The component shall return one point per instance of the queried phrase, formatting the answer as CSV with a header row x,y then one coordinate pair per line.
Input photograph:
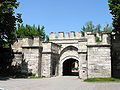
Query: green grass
x,y
102,80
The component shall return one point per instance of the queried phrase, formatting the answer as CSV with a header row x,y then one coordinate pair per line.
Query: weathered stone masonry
x,y
47,58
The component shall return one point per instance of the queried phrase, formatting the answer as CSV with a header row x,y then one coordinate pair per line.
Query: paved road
x,y
56,83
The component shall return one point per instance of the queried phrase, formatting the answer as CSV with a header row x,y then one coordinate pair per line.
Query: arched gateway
x,y
69,61
70,67
66,55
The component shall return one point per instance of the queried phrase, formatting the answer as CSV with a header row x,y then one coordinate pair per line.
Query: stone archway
x,y
71,67
68,55
61,64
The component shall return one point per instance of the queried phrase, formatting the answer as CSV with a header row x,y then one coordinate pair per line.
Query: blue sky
x,y
64,15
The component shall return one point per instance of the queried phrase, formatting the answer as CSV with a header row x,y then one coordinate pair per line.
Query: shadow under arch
x,y
71,67
68,58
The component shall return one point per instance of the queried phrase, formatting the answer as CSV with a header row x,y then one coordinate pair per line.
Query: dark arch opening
x,y
71,67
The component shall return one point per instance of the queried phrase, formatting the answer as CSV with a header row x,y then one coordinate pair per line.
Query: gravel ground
x,y
57,83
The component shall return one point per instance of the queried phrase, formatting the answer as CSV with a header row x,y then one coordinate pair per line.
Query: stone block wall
x,y
18,58
99,61
46,64
54,64
83,65
33,59
50,58
99,56
94,57
28,54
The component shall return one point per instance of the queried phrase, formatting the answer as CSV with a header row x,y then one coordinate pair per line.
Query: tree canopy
x,y
8,21
31,31
89,26
114,6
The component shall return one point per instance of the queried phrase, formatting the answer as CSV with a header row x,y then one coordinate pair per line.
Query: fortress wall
x,y
54,64
46,65
83,65
95,57
32,59
32,51
17,60
99,56
50,58
82,53
99,61
17,46
27,52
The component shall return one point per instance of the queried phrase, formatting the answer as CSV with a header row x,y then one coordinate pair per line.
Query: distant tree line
x,y
90,27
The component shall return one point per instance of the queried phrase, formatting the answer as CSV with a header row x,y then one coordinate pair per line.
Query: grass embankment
x,y
102,80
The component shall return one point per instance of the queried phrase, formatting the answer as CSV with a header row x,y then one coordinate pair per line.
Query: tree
x,y
107,29
31,31
8,21
90,27
114,6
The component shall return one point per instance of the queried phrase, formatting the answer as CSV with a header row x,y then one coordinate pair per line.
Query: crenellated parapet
x,y
52,35
67,35
104,39
26,42
32,42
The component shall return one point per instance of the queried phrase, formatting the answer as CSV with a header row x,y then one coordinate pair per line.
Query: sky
x,y
64,15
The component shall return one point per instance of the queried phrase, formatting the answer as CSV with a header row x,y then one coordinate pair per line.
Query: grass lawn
x,y
102,80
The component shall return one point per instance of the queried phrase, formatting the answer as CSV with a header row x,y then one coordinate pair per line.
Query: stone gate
x,y
72,54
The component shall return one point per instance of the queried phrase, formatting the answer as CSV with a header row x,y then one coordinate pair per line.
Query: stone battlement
x,y
104,38
91,38
67,35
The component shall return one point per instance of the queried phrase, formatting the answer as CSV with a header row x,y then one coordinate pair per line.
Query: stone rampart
x,y
99,56
29,56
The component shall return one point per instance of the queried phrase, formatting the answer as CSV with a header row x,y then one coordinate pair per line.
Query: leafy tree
x,y
8,21
98,28
114,6
107,29
89,26
31,31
